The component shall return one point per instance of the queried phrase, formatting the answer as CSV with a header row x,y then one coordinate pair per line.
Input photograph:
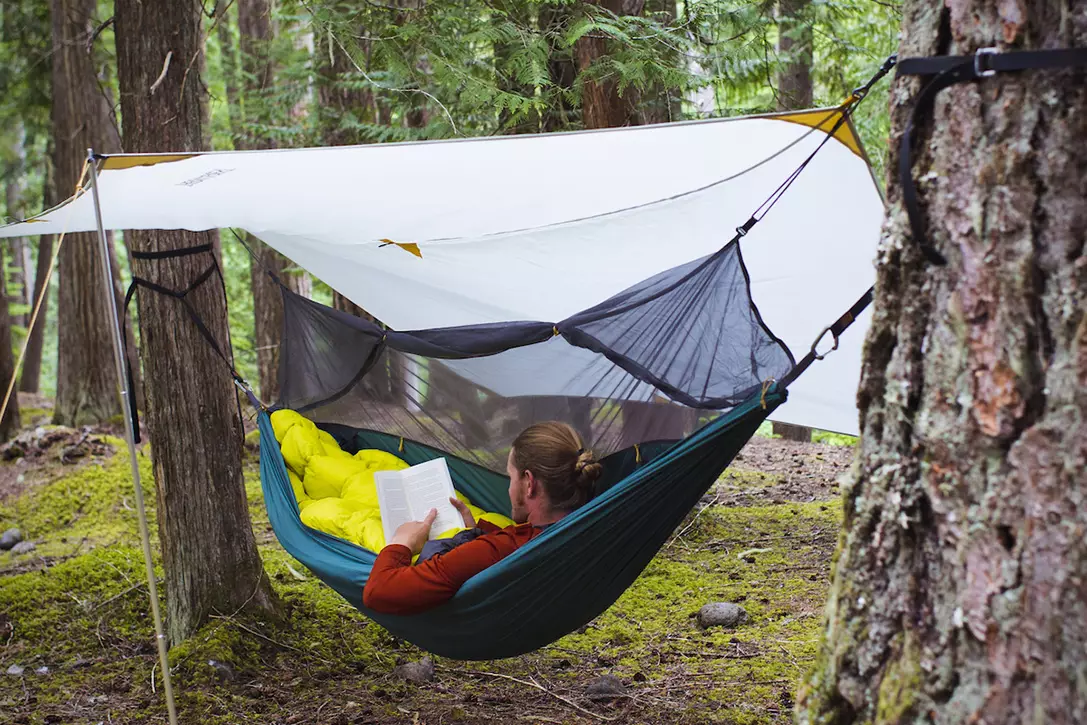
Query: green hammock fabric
x,y
556,583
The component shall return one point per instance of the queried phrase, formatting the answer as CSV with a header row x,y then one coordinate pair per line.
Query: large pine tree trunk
x,y
82,118
209,553
960,592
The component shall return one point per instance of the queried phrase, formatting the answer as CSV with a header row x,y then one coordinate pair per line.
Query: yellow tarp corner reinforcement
x,y
824,119
116,163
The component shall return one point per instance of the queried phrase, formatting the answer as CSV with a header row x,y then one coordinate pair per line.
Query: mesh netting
x,y
649,364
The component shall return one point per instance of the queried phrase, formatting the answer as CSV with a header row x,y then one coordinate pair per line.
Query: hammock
x,y
557,582
491,319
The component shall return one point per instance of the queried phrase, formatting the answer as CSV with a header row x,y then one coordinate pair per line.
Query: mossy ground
x,y
77,607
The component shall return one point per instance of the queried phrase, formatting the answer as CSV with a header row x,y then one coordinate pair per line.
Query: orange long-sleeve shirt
x,y
397,587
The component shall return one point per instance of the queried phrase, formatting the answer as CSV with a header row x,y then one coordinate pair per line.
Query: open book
x,y
409,495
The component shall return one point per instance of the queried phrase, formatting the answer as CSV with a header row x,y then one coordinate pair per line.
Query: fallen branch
x,y
137,585
538,686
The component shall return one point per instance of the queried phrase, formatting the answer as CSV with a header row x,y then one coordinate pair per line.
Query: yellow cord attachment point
x,y
637,455
555,331
401,448
765,387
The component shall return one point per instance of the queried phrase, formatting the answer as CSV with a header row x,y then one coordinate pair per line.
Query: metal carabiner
x,y
814,345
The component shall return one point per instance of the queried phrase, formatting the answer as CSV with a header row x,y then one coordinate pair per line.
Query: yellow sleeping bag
x,y
335,490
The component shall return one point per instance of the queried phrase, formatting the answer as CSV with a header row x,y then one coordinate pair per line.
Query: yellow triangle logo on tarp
x,y
406,246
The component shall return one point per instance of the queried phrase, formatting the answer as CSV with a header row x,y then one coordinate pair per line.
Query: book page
x,y
429,486
393,501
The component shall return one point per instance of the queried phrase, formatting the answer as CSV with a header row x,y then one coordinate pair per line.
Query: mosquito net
x,y
650,364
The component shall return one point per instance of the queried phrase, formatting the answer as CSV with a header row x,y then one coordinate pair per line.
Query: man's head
x,y
551,473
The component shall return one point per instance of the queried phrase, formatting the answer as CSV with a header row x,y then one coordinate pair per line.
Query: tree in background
x,y
252,115
15,193
9,423
82,118
794,92
795,55
209,553
30,378
958,595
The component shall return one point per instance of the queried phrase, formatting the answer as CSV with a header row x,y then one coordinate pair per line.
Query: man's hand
x,y
465,512
413,534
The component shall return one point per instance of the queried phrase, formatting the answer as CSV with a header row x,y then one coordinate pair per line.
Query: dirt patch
x,y
775,471
39,455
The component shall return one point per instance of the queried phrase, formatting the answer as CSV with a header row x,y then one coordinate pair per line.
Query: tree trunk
x,y
14,189
794,92
256,34
561,114
339,100
30,379
960,591
657,103
794,55
82,119
9,424
601,105
209,553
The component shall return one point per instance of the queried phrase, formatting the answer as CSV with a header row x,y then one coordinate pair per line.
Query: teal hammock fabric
x,y
558,582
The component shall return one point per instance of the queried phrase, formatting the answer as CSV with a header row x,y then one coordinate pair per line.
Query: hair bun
x,y
587,469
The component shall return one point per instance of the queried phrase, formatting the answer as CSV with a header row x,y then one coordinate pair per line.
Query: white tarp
x,y
540,227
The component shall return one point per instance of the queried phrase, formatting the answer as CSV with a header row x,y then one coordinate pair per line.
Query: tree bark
x,y
30,379
601,105
82,119
10,423
209,553
960,590
795,50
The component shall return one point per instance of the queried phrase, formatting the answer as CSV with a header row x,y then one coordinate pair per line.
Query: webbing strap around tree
x,y
950,70
182,297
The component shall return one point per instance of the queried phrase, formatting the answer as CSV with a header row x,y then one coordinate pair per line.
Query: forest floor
x,y
77,645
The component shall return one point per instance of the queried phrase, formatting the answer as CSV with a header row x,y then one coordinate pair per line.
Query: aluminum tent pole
x,y
141,511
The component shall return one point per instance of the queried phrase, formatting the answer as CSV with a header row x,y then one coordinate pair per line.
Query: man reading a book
x,y
551,474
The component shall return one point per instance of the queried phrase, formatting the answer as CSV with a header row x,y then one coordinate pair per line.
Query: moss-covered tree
x,y
960,591
208,550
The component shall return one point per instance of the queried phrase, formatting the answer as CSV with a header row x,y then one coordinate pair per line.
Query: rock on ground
x,y
607,687
722,614
10,538
421,671
24,547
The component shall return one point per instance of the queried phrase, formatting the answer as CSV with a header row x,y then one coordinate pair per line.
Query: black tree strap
x,y
840,325
182,297
950,70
